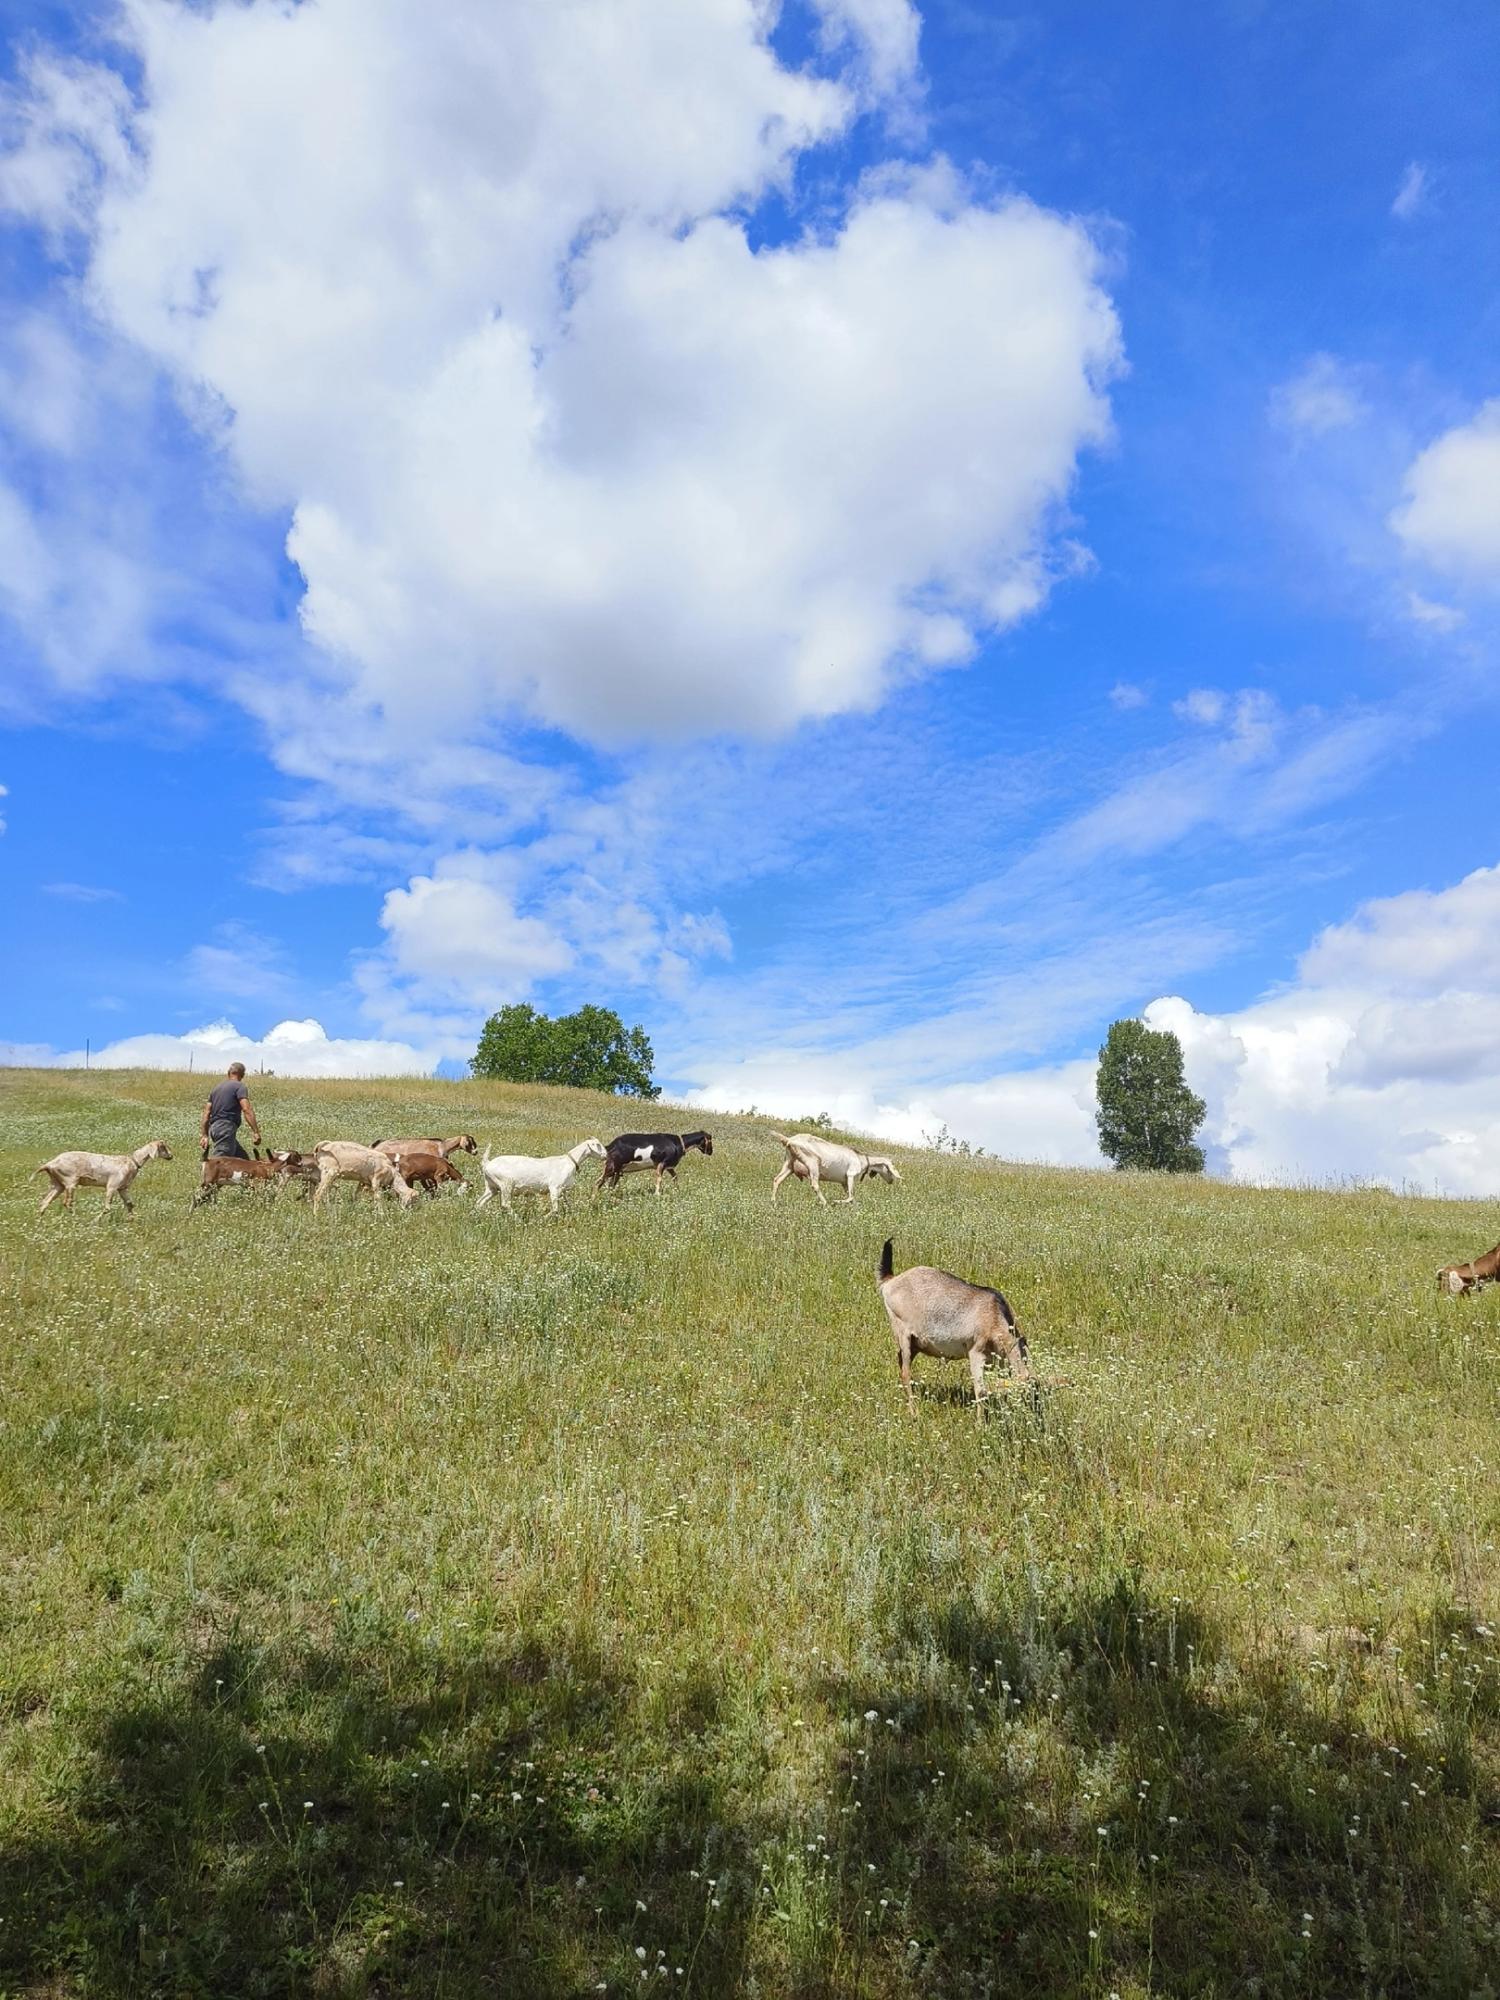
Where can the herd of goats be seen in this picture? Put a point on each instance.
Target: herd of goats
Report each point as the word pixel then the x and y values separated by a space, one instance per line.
pixel 403 1167
pixel 931 1311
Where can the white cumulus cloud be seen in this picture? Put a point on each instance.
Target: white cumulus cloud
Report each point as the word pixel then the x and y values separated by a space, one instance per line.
pixel 291 1048
pixel 1450 512
pixel 1381 1061
pixel 556 433
pixel 1044 1114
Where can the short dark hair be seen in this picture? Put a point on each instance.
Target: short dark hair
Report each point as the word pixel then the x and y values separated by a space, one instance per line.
pixel 236 1069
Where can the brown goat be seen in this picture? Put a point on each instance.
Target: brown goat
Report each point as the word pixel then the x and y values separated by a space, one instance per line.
pixel 219 1173
pixel 245 1173
pixel 1456 1279
pixel 420 1167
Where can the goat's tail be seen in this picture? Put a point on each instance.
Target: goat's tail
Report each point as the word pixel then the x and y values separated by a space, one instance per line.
pixel 486 1160
pixel 782 1137
pixel 887 1261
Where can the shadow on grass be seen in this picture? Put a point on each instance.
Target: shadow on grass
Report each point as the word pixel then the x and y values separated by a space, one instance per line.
pixel 372 1820
pixel 1092 1797
pixel 1080 1797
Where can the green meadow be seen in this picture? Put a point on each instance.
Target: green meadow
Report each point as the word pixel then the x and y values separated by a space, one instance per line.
pixel 435 1604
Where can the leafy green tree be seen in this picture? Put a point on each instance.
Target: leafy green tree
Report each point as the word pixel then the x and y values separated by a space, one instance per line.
pixel 1147 1115
pixel 591 1049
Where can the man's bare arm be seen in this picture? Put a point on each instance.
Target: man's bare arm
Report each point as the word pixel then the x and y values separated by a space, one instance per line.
pixel 203 1129
pixel 250 1118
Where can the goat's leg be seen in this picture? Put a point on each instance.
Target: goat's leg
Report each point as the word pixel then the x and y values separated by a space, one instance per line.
pixel 785 1174
pixel 488 1191
pixel 658 1183
pixel 849 1179
pixel 812 1181
pixel 903 1361
pixel 57 1188
pixel 976 1370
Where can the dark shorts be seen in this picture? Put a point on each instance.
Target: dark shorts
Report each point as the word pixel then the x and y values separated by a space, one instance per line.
pixel 224 1141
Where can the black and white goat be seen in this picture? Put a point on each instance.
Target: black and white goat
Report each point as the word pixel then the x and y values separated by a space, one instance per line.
pixel 649 1152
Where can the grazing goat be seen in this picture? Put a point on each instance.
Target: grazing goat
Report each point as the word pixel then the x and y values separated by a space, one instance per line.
pixel 932 1312
pixel 464 1143
pixel 812 1159
pixel 112 1171
pixel 646 1152
pixel 219 1173
pixel 417 1166
pixel 517 1173
pixel 1456 1279
pixel 347 1160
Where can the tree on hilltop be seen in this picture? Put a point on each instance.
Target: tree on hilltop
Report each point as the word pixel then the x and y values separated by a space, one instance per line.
pixel 591 1049
pixel 1147 1116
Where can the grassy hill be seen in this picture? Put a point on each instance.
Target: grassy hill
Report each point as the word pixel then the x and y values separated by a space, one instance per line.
pixel 431 1603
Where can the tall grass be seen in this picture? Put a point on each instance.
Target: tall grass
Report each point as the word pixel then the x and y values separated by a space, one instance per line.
pixel 435 1603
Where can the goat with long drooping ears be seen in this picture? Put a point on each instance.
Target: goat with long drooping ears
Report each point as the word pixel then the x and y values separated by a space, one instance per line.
pixel 1454 1280
pixel 223 1172
pixel 112 1171
pixel 420 1168
pixel 347 1160
pixel 932 1312
pixel 517 1173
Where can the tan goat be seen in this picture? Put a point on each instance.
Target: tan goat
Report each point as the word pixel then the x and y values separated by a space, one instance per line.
pixel 465 1142
pixel 347 1160
pixel 112 1171
pixel 932 1312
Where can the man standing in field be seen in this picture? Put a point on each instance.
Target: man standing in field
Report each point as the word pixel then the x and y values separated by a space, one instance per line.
pixel 219 1131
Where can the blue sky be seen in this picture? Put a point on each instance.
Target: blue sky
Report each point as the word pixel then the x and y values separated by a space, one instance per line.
pixel 873 547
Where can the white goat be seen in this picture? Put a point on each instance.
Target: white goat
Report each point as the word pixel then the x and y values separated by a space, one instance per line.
pixel 347 1160
pixel 112 1171
pixel 813 1159
pixel 512 1173
pixel 932 1312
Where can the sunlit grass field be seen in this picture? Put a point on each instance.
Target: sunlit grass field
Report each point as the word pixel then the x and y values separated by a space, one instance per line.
pixel 439 1604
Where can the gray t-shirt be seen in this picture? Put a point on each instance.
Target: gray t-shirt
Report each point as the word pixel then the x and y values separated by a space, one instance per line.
pixel 224 1101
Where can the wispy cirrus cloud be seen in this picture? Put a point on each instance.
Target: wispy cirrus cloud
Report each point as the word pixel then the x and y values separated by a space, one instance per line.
pixel 82 892
pixel 1412 193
